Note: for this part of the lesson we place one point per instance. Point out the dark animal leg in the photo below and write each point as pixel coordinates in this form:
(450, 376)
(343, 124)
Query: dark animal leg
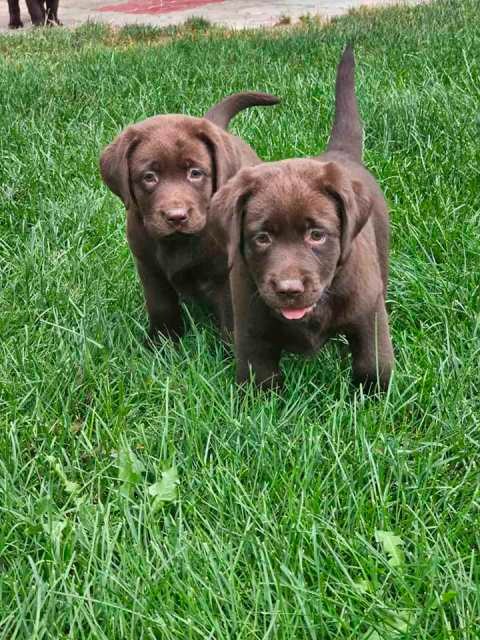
(260, 359)
(371, 347)
(37, 12)
(52, 13)
(162, 303)
(15, 21)
(222, 308)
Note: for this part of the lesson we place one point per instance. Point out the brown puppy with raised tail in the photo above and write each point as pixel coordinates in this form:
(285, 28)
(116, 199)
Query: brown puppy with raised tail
(308, 247)
(166, 169)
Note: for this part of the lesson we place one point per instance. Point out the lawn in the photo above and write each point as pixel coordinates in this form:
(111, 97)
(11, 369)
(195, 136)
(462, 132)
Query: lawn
(274, 529)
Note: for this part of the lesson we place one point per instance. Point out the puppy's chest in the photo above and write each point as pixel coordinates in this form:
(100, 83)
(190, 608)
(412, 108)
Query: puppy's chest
(305, 338)
(199, 281)
(192, 271)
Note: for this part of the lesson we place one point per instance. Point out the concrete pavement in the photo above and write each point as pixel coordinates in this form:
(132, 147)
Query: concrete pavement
(236, 14)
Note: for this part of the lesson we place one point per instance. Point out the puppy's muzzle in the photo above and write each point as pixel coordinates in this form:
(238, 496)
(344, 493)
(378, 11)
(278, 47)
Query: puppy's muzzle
(288, 288)
(293, 298)
(177, 216)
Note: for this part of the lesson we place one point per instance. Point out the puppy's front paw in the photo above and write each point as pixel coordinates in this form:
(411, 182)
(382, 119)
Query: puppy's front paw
(165, 332)
(270, 382)
(372, 382)
(274, 383)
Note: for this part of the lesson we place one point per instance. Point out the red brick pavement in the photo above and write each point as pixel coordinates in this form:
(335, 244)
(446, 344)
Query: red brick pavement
(156, 6)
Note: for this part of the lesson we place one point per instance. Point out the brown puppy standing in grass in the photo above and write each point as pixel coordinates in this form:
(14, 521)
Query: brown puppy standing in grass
(166, 169)
(309, 253)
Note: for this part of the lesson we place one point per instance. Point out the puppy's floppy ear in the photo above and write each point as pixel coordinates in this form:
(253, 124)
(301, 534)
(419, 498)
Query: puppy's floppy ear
(227, 212)
(225, 155)
(114, 165)
(353, 205)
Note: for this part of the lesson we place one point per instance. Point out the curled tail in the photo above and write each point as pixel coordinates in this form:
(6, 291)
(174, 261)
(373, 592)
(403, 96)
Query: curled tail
(346, 133)
(221, 113)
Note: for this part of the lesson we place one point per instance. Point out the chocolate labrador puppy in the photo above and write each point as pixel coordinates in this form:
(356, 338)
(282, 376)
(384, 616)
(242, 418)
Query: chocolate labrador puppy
(308, 246)
(166, 169)
(41, 13)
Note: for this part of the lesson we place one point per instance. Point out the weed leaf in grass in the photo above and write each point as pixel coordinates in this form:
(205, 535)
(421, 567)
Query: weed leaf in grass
(448, 596)
(445, 598)
(399, 621)
(165, 490)
(69, 485)
(391, 545)
(395, 623)
(45, 505)
(130, 470)
(54, 529)
(363, 586)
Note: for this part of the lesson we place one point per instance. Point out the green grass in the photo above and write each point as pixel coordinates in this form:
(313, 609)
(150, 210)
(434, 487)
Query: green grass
(273, 532)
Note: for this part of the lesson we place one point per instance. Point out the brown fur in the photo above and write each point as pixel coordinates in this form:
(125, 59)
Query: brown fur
(166, 169)
(309, 234)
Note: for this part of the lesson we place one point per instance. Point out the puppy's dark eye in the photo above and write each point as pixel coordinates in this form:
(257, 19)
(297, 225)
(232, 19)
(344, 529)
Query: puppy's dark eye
(263, 238)
(316, 236)
(150, 177)
(194, 174)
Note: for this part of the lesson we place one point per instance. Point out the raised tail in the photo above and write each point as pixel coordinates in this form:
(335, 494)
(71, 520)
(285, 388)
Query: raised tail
(346, 133)
(221, 113)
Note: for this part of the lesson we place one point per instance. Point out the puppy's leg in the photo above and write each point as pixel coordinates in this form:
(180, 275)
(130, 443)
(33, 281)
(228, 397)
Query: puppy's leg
(222, 308)
(371, 347)
(258, 358)
(37, 12)
(162, 303)
(256, 354)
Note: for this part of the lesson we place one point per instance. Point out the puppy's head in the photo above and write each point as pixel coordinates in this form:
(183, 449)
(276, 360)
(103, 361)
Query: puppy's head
(166, 169)
(293, 223)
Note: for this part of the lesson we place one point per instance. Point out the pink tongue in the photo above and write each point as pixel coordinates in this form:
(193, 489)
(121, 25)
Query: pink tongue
(294, 314)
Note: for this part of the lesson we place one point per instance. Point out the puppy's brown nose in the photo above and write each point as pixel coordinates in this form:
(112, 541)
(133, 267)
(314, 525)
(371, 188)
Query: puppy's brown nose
(176, 216)
(288, 287)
